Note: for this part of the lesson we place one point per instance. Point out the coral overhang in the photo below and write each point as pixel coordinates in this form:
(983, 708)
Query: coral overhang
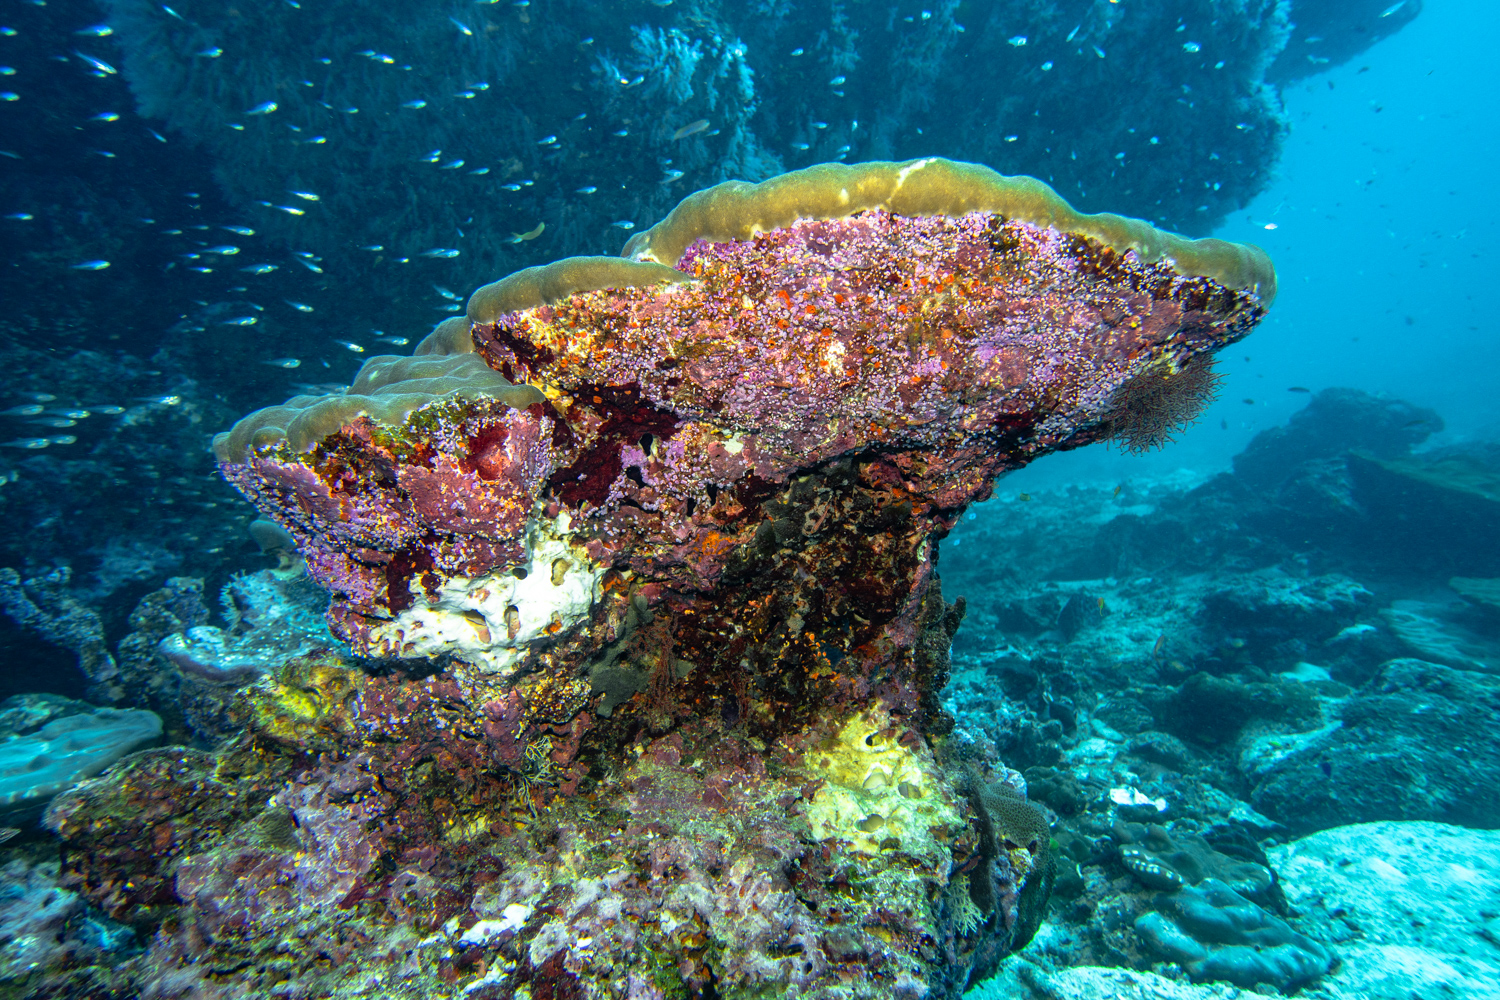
(686, 603)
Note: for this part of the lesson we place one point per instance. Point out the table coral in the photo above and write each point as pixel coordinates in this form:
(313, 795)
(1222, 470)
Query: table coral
(666, 525)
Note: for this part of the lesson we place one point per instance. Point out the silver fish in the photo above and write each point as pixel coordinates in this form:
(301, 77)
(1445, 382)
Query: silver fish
(30, 444)
(240, 321)
(263, 108)
(30, 410)
(284, 362)
(350, 345)
(436, 252)
(98, 64)
(260, 268)
(91, 265)
(226, 250)
(299, 306)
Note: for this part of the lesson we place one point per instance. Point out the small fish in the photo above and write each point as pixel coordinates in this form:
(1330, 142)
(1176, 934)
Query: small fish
(21, 216)
(837, 81)
(39, 397)
(373, 247)
(284, 362)
(110, 411)
(261, 268)
(394, 341)
(1248, 401)
(436, 252)
(450, 307)
(263, 108)
(445, 293)
(1392, 9)
(465, 95)
(53, 422)
(91, 265)
(301, 307)
(801, 145)
(289, 210)
(172, 12)
(316, 140)
(1298, 388)
(621, 133)
(1102, 608)
(1161, 645)
(549, 140)
(31, 444)
(819, 124)
(226, 250)
(415, 105)
(160, 400)
(99, 65)
(105, 116)
(305, 195)
(1191, 47)
(627, 84)
(212, 53)
(511, 187)
(1023, 496)
(623, 224)
(63, 439)
(1117, 490)
(202, 270)
(481, 85)
(96, 31)
(583, 190)
(691, 128)
(467, 31)
(533, 234)
(240, 321)
(797, 52)
(452, 165)
(350, 345)
(238, 230)
(71, 414)
(315, 269)
(481, 171)
(1016, 40)
(30, 410)
(671, 176)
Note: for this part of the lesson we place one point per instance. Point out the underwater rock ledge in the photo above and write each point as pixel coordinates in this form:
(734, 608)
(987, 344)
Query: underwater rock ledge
(668, 526)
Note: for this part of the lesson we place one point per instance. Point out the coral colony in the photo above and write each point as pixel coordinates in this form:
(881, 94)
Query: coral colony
(643, 549)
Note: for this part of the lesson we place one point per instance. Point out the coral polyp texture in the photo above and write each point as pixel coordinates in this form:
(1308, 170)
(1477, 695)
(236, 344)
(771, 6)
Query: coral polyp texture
(657, 534)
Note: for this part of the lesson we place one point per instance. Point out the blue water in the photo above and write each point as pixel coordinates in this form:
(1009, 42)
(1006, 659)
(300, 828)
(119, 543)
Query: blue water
(1386, 220)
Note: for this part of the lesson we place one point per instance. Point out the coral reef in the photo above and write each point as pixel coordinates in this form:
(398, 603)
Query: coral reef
(44, 605)
(1217, 934)
(592, 117)
(654, 563)
(51, 743)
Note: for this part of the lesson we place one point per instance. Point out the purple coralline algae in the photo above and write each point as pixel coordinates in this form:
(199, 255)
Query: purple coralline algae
(648, 545)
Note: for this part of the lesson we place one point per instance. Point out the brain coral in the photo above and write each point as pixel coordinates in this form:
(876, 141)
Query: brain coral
(665, 524)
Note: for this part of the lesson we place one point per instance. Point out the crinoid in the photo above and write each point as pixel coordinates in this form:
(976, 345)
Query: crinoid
(1150, 408)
